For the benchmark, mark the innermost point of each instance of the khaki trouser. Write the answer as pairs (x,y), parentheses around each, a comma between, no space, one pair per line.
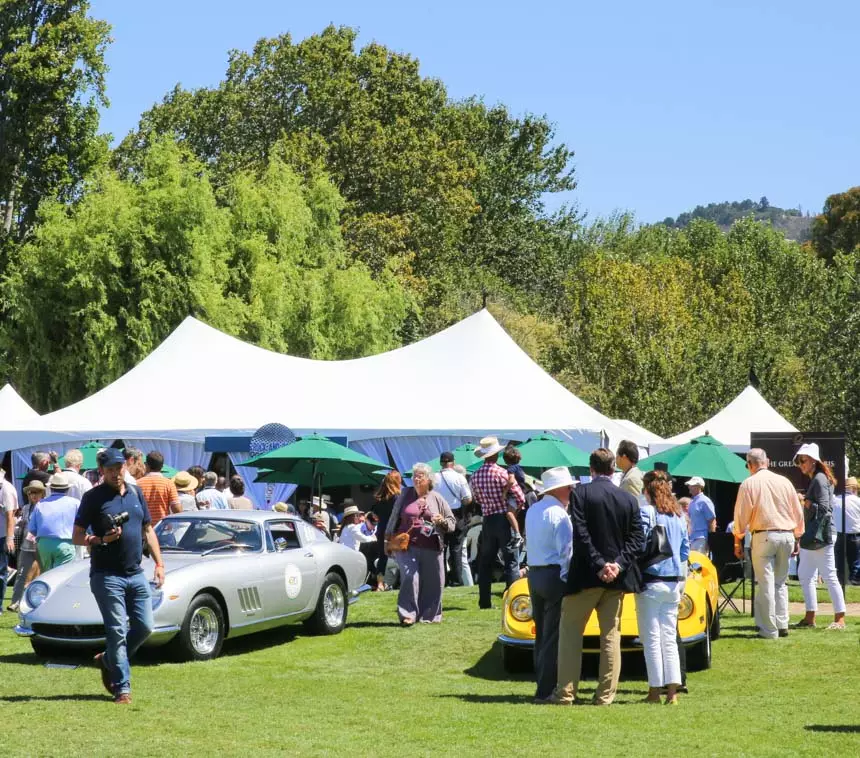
(575,610)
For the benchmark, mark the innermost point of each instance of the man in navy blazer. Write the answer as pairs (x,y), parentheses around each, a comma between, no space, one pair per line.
(608,539)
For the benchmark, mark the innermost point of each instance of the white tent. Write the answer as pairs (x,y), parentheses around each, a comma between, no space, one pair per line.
(466,381)
(639,434)
(14,409)
(748,412)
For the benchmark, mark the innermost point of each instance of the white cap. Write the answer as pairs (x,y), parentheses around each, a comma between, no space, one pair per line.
(696,481)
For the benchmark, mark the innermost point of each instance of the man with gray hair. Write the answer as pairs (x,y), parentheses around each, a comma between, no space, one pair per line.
(768,507)
(134,466)
(39,471)
(78,484)
(210,497)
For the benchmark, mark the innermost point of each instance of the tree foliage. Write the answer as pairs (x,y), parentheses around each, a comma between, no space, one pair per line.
(125,264)
(51,84)
(837,228)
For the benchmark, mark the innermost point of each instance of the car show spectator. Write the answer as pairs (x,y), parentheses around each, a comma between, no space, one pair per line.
(455,489)
(816,543)
(383,503)
(134,465)
(28,564)
(185,486)
(79,484)
(239,501)
(52,522)
(160,493)
(849,541)
(607,541)
(210,497)
(703,515)
(8,509)
(626,458)
(489,485)
(549,545)
(418,523)
(662,585)
(767,506)
(38,470)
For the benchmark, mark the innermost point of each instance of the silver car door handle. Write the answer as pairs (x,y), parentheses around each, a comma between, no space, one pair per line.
(309,555)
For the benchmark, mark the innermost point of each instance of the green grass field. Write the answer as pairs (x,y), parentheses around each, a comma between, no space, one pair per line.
(380,690)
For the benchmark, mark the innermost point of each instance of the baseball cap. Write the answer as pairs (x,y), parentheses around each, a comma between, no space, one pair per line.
(110,456)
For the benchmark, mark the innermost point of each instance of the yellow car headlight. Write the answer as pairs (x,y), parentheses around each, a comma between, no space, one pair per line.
(685,607)
(521,608)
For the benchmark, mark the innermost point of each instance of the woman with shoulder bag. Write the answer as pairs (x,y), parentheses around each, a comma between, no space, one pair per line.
(816,544)
(414,536)
(663,582)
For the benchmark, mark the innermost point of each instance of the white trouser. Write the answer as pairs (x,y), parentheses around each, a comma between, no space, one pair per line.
(700,544)
(822,562)
(657,617)
(466,572)
(770,553)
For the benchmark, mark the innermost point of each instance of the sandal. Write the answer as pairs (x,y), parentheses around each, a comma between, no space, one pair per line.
(836,626)
(804,624)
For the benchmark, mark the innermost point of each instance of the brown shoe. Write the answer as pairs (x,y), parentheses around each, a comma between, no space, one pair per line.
(124,698)
(99,660)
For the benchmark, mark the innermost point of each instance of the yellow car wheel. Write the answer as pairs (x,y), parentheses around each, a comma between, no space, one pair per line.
(699,656)
(517,660)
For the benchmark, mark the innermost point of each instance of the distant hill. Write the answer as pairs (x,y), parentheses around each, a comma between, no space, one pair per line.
(790,221)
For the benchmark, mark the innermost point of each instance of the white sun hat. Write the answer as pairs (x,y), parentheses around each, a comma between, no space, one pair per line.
(553,478)
(810,450)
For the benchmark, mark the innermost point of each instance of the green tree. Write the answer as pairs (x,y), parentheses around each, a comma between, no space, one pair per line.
(51,85)
(837,228)
(132,257)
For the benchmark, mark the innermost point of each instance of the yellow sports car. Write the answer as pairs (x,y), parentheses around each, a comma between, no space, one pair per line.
(698,620)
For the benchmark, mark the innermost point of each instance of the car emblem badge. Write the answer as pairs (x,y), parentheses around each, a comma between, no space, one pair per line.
(76,605)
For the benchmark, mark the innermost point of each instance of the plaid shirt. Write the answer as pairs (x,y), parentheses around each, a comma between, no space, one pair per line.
(488,483)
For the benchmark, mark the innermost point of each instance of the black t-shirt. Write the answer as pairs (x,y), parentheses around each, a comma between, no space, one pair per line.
(123,556)
(33,475)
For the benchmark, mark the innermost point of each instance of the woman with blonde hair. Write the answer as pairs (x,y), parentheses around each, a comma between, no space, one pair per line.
(816,544)
(662,584)
(384,500)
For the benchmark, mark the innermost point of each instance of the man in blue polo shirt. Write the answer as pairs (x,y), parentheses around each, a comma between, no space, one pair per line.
(703,516)
(116,577)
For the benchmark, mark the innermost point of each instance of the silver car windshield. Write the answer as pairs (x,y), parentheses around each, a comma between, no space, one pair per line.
(202,535)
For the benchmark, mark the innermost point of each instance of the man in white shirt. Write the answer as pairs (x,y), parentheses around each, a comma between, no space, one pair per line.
(78,484)
(8,506)
(549,545)
(851,538)
(211,498)
(455,489)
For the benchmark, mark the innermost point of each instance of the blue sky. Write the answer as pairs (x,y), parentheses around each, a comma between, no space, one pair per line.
(666,104)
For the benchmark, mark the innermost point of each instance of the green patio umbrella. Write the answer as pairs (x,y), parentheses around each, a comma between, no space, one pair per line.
(89,452)
(315,460)
(545,451)
(703,456)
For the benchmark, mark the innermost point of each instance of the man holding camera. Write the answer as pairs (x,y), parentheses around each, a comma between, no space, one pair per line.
(113,521)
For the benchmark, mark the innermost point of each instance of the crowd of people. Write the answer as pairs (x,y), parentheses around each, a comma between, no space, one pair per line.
(583,546)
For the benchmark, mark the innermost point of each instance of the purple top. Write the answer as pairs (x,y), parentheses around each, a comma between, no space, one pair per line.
(417,517)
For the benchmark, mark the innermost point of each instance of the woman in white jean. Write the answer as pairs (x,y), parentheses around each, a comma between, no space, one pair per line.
(816,544)
(663,582)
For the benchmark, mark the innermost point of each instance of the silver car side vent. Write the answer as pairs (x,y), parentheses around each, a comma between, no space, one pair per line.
(249,599)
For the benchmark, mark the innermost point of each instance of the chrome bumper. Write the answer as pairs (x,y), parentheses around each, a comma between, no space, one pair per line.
(159,636)
(515,641)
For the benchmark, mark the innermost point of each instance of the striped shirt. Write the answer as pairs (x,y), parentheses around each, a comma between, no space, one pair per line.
(160,495)
(488,484)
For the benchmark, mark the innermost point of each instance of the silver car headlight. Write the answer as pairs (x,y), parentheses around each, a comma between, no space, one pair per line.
(36,594)
(157,596)
(521,608)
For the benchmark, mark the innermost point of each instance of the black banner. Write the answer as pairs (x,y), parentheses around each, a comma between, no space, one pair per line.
(781,447)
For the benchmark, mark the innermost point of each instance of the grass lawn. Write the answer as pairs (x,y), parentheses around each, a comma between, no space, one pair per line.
(380,690)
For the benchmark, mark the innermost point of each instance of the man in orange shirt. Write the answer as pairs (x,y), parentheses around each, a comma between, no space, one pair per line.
(158,491)
(767,506)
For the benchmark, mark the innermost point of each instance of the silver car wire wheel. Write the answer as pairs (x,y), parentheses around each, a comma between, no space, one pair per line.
(333,605)
(204,630)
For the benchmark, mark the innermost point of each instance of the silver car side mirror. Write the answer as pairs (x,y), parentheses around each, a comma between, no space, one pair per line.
(696,568)
(280,545)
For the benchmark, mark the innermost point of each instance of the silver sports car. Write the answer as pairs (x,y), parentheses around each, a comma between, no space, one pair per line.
(228,573)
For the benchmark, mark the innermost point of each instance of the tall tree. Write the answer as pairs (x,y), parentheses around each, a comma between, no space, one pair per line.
(837,228)
(51,84)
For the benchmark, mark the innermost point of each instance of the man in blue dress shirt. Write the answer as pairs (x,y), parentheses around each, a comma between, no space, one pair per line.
(703,516)
(549,544)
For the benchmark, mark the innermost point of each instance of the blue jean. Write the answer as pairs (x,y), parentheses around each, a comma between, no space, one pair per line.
(119,597)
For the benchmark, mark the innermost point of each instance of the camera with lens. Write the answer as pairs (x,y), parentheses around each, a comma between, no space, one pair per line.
(114,521)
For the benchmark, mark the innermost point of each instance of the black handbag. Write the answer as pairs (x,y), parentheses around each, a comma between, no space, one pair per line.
(657,547)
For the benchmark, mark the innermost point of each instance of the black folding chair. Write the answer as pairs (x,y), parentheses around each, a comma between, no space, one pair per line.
(730,571)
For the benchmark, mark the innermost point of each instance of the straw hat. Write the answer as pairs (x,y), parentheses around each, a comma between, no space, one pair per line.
(488,446)
(851,481)
(350,510)
(59,482)
(553,478)
(185,482)
(696,481)
(35,486)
